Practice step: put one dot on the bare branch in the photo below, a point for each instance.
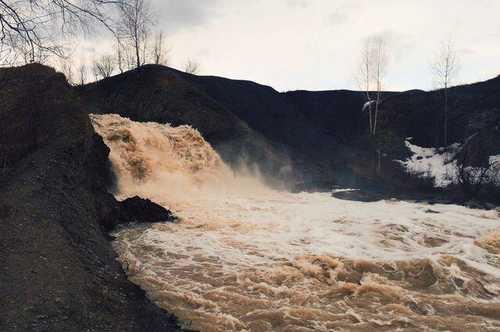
(445, 69)
(33, 29)
(104, 67)
(135, 22)
(160, 50)
(192, 67)
(82, 75)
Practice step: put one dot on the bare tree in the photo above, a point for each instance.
(27, 27)
(192, 67)
(82, 74)
(365, 78)
(160, 50)
(104, 67)
(7, 55)
(381, 62)
(445, 69)
(120, 61)
(145, 48)
(134, 26)
(66, 67)
(372, 71)
(95, 71)
(125, 58)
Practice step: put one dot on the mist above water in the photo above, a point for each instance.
(246, 257)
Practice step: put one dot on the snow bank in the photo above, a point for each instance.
(440, 165)
(433, 163)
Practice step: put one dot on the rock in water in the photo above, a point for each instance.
(138, 209)
(133, 209)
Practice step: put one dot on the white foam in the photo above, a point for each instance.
(258, 230)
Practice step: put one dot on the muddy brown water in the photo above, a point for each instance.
(248, 258)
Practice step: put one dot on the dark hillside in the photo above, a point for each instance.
(325, 132)
(337, 113)
(318, 129)
(243, 120)
(58, 270)
(420, 114)
(322, 136)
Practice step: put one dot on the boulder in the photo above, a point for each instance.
(134, 209)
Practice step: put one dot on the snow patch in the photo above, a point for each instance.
(495, 159)
(440, 165)
(436, 163)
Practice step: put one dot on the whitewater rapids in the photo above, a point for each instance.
(248, 258)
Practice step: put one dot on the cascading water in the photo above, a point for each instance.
(245, 257)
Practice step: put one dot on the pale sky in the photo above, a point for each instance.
(315, 44)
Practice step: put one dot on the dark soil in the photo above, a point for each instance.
(58, 271)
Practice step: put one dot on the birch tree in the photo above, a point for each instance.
(372, 69)
(135, 22)
(120, 59)
(365, 78)
(160, 50)
(82, 74)
(445, 69)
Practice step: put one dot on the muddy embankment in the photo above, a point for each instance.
(58, 271)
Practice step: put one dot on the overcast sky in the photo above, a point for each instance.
(314, 44)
